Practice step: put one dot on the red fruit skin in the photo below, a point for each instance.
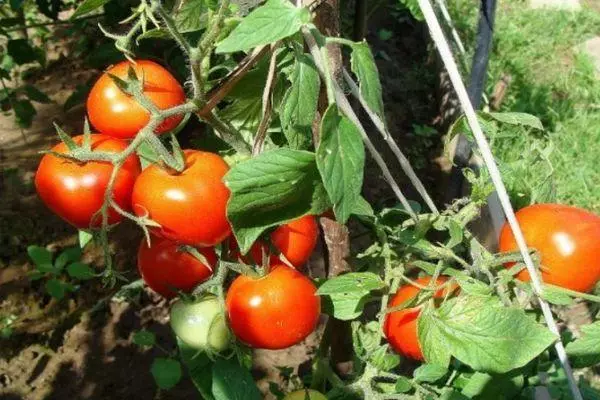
(297, 239)
(400, 327)
(114, 113)
(568, 241)
(191, 206)
(75, 192)
(165, 269)
(276, 311)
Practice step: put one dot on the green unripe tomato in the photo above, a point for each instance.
(201, 325)
(301, 395)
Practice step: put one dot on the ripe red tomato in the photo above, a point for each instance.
(400, 327)
(115, 113)
(295, 240)
(568, 241)
(75, 191)
(273, 312)
(191, 205)
(165, 269)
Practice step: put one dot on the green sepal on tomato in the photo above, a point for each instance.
(190, 206)
(116, 113)
(75, 190)
(166, 269)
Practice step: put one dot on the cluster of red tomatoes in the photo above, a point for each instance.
(568, 243)
(279, 309)
(275, 311)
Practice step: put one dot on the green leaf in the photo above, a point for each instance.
(88, 6)
(78, 270)
(24, 113)
(69, 255)
(199, 367)
(144, 338)
(78, 96)
(456, 234)
(556, 296)
(403, 385)
(341, 161)
(365, 338)
(348, 293)
(516, 118)
(35, 94)
(494, 387)
(147, 155)
(300, 103)
(273, 21)
(414, 8)
(233, 382)
(363, 65)
(482, 333)
(166, 372)
(156, 33)
(55, 288)
(429, 373)
(275, 187)
(21, 51)
(362, 208)
(383, 360)
(585, 351)
(472, 286)
(16, 4)
(192, 16)
(39, 255)
(84, 238)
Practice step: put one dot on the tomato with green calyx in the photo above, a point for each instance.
(400, 327)
(295, 241)
(304, 395)
(116, 113)
(201, 324)
(191, 205)
(567, 239)
(275, 311)
(166, 269)
(76, 191)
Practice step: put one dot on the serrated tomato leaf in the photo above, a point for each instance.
(363, 65)
(300, 103)
(273, 21)
(341, 161)
(585, 351)
(482, 333)
(271, 189)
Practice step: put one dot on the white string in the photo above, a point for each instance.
(486, 153)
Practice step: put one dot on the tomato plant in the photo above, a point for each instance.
(75, 191)
(167, 268)
(190, 206)
(201, 324)
(258, 84)
(117, 114)
(275, 311)
(567, 239)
